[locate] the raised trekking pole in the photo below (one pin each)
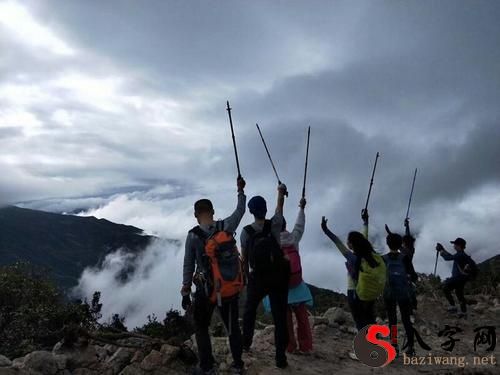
(307, 158)
(269, 156)
(411, 194)
(371, 182)
(234, 140)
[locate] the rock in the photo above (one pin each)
(496, 302)
(169, 353)
(152, 361)
(479, 308)
(13, 371)
(133, 341)
(352, 330)
(119, 360)
(4, 361)
(102, 353)
(337, 315)
(43, 362)
(133, 369)
(110, 348)
(495, 309)
(317, 320)
(220, 346)
(138, 356)
(77, 358)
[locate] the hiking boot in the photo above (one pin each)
(236, 369)
(281, 363)
(452, 309)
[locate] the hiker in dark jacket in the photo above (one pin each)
(260, 242)
(400, 273)
(195, 264)
(357, 246)
(408, 249)
(463, 267)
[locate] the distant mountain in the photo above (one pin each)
(488, 278)
(63, 244)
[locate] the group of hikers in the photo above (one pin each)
(270, 266)
(269, 269)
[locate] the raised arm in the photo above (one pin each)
(446, 255)
(300, 223)
(277, 220)
(340, 245)
(364, 217)
(232, 222)
(407, 227)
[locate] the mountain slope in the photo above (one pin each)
(63, 244)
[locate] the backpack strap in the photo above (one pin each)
(267, 227)
(200, 233)
(249, 229)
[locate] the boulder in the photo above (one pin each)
(170, 353)
(4, 361)
(152, 361)
(133, 369)
(44, 362)
(119, 360)
(337, 315)
(317, 320)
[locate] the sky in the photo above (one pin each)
(117, 109)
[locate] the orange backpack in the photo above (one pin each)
(225, 276)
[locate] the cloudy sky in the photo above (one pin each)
(117, 109)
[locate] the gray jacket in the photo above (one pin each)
(195, 246)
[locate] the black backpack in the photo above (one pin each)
(473, 268)
(265, 255)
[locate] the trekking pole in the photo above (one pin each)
(371, 182)
(234, 140)
(307, 158)
(269, 156)
(411, 194)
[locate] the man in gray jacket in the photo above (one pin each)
(195, 263)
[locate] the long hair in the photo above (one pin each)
(362, 248)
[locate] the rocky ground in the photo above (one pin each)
(333, 336)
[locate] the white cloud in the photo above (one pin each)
(17, 20)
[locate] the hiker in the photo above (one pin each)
(397, 292)
(408, 249)
(464, 269)
(299, 295)
(216, 286)
(268, 272)
(365, 272)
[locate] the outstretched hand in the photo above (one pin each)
(302, 203)
(282, 189)
(324, 222)
(364, 215)
(241, 183)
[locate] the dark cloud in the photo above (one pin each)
(121, 110)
